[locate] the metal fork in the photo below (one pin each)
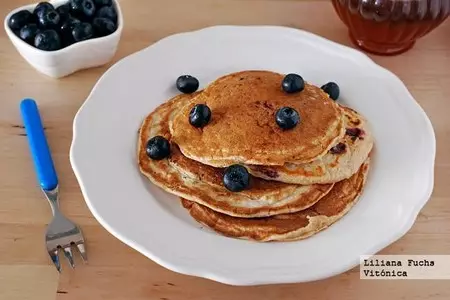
(61, 232)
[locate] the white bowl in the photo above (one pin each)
(82, 55)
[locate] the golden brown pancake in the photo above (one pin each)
(243, 127)
(203, 184)
(286, 227)
(341, 161)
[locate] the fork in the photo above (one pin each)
(61, 232)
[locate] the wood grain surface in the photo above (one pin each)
(117, 272)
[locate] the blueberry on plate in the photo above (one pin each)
(236, 178)
(64, 11)
(49, 19)
(187, 84)
(99, 3)
(200, 115)
(82, 9)
(332, 89)
(28, 33)
(47, 40)
(158, 148)
(287, 117)
(293, 83)
(82, 31)
(103, 26)
(66, 30)
(41, 8)
(107, 12)
(20, 19)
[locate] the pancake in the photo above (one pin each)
(243, 128)
(339, 163)
(287, 227)
(203, 184)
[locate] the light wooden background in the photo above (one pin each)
(118, 272)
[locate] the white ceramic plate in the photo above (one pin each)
(103, 155)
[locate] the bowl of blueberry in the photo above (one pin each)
(61, 37)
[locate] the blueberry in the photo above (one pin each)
(64, 11)
(66, 30)
(293, 83)
(20, 19)
(82, 9)
(187, 84)
(41, 8)
(76, 8)
(158, 148)
(82, 31)
(200, 115)
(287, 117)
(68, 25)
(89, 8)
(103, 26)
(47, 40)
(107, 12)
(236, 178)
(99, 3)
(332, 89)
(28, 33)
(49, 19)
(338, 149)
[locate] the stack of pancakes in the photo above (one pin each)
(302, 179)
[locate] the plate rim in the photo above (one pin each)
(201, 271)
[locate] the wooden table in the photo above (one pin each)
(116, 271)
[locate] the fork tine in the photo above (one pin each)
(82, 250)
(55, 258)
(69, 256)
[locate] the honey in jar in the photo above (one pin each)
(389, 27)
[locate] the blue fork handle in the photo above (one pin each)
(37, 141)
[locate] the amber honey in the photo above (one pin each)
(390, 27)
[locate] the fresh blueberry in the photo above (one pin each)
(332, 89)
(20, 19)
(82, 31)
(82, 9)
(158, 148)
(66, 30)
(99, 3)
(107, 12)
(41, 8)
(89, 8)
(49, 19)
(64, 11)
(200, 115)
(187, 84)
(76, 8)
(103, 26)
(47, 40)
(293, 83)
(236, 178)
(287, 117)
(68, 24)
(28, 33)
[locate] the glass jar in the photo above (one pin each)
(389, 27)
